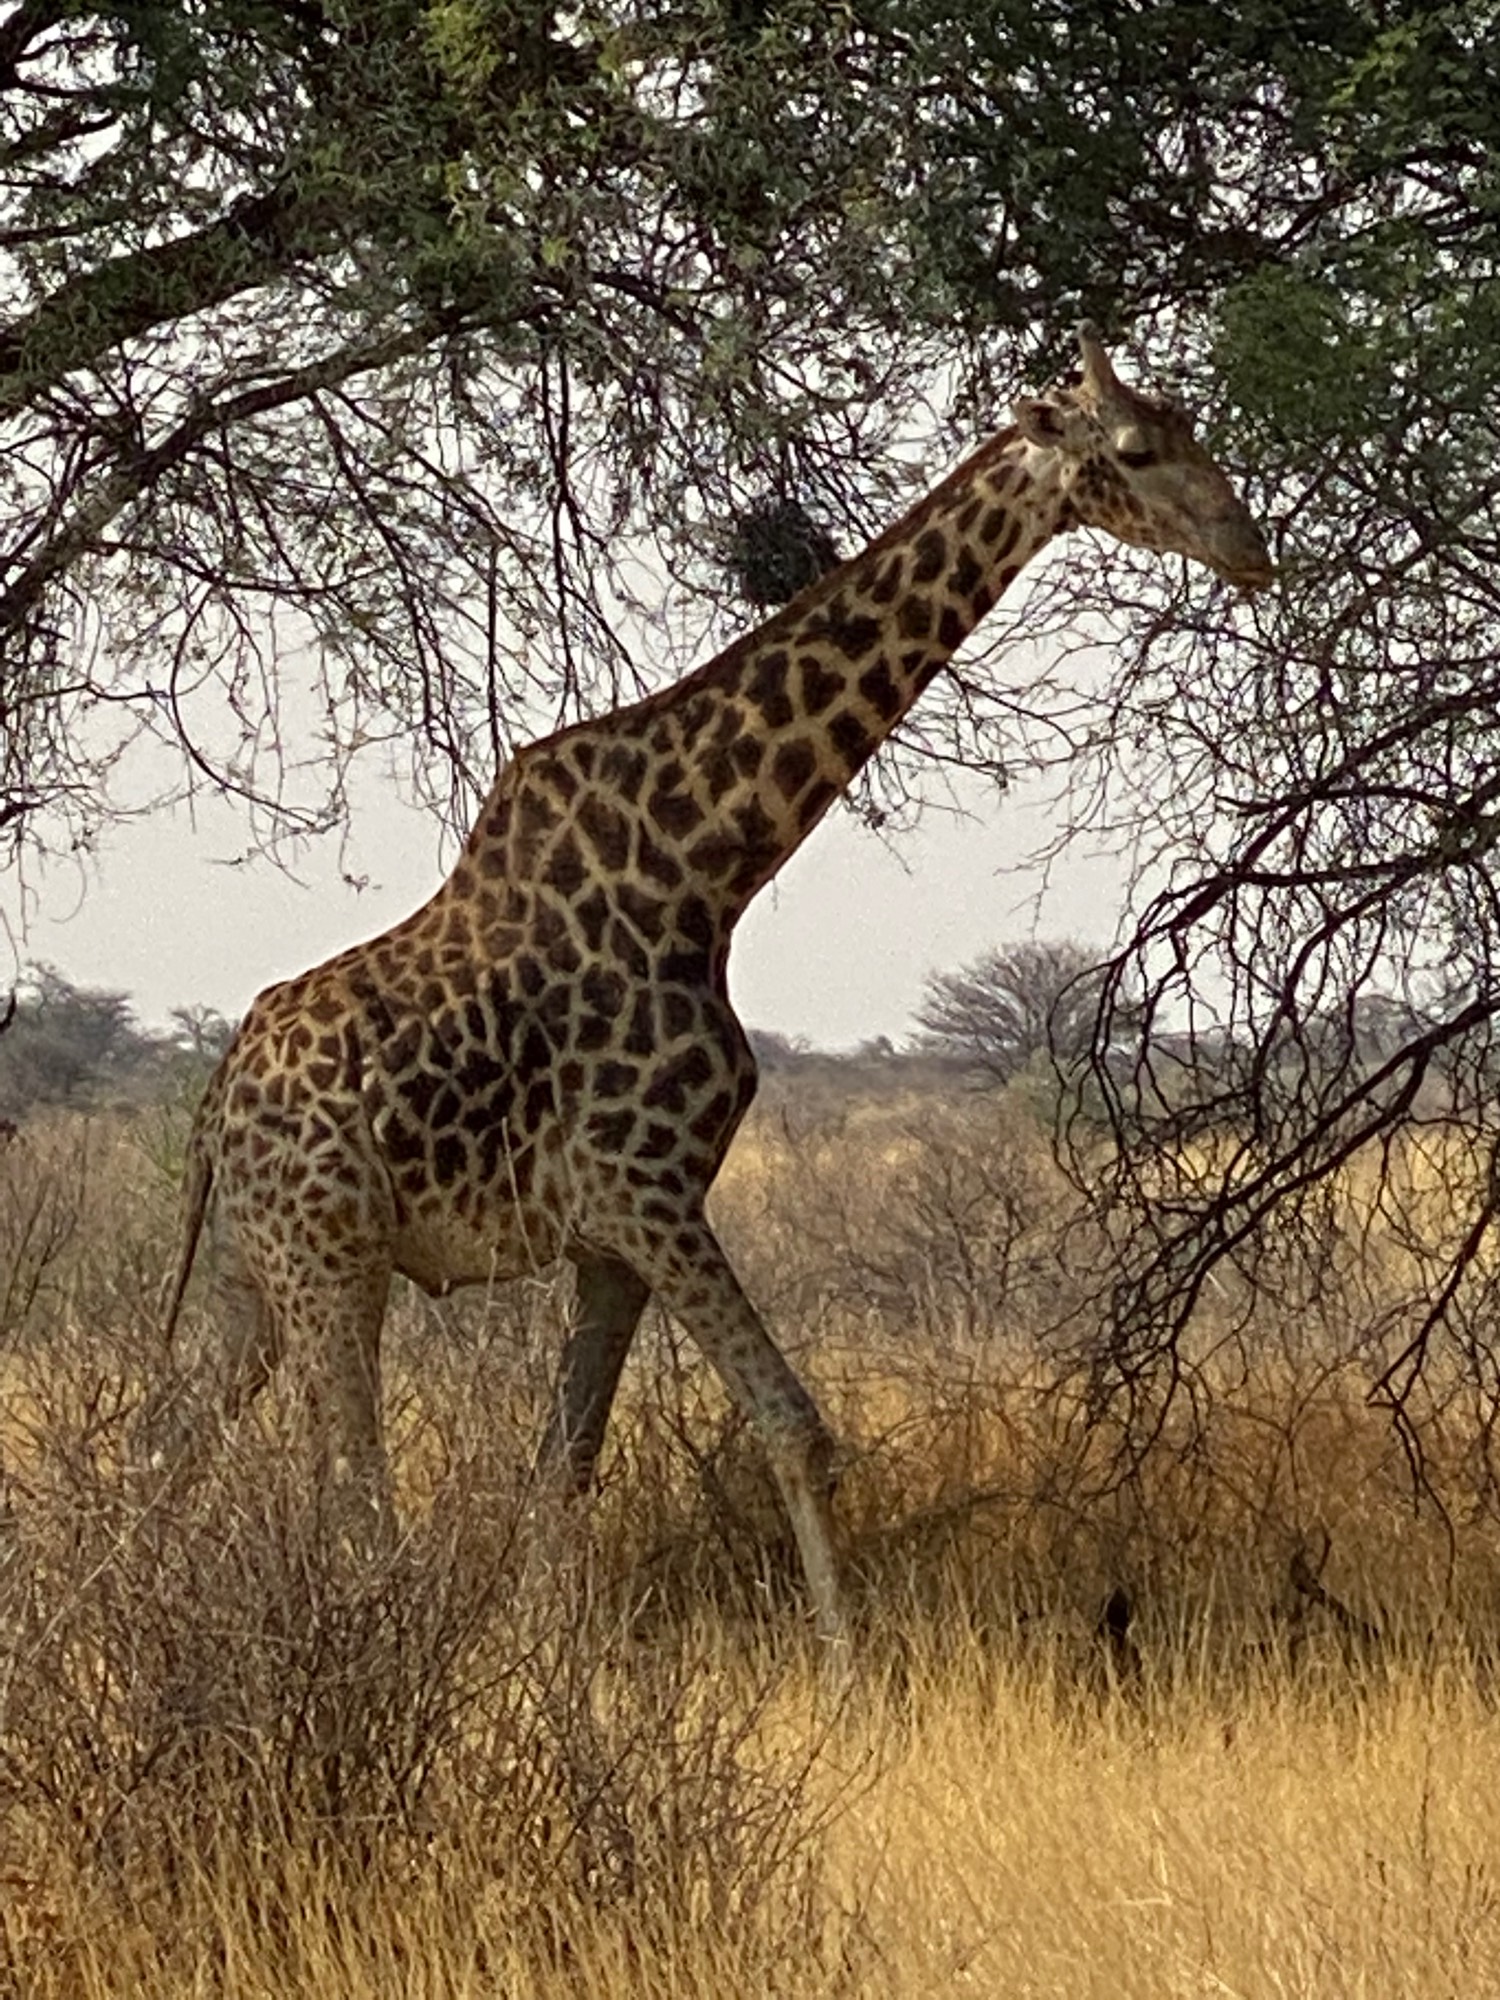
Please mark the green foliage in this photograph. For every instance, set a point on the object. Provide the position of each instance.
(403, 332)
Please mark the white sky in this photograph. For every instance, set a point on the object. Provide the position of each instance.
(836, 950)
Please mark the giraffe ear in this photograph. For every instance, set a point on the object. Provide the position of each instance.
(1043, 420)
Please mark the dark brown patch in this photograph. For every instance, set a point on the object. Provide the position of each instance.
(718, 772)
(854, 636)
(1002, 529)
(402, 1143)
(611, 1131)
(953, 628)
(687, 967)
(555, 1011)
(931, 555)
(914, 619)
(792, 766)
(536, 813)
(820, 684)
(479, 1071)
(563, 782)
(659, 1143)
(607, 830)
(626, 949)
(965, 574)
(496, 824)
(678, 1014)
(748, 755)
(817, 802)
(595, 1032)
(616, 1079)
(640, 1036)
(536, 1053)
(669, 1088)
(714, 1116)
(541, 1103)
(695, 920)
(593, 913)
(694, 714)
(758, 832)
(602, 991)
(417, 1093)
(851, 739)
(449, 1158)
(889, 581)
(765, 685)
(655, 862)
(676, 813)
(714, 855)
(880, 690)
(565, 869)
(623, 766)
(647, 913)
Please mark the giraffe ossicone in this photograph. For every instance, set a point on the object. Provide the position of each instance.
(542, 1062)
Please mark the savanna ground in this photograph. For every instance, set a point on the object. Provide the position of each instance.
(1220, 1720)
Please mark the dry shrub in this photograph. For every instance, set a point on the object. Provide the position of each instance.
(209, 1701)
(582, 1754)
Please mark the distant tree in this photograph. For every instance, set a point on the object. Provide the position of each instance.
(68, 1043)
(775, 1051)
(1018, 1001)
(202, 1032)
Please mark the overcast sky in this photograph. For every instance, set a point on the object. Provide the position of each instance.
(836, 950)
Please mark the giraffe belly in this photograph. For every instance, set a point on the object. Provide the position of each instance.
(440, 1249)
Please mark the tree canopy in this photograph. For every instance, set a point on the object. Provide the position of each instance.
(432, 343)
(1018, 1003)
(398, 336)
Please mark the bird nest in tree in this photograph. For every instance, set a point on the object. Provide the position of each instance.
(775, 550)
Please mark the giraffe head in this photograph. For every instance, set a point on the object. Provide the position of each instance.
(1130, 464)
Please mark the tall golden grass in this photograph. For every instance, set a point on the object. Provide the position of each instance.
(1221, 1721)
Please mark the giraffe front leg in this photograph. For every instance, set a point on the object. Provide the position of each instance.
(693, 1279)
(607, 1309)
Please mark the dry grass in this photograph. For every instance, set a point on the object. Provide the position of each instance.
(593, 1756)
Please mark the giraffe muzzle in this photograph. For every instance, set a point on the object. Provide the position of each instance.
(1238, 552)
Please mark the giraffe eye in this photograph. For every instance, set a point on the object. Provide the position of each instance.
(1137, 456)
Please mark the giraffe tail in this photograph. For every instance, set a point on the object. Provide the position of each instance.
(196, 1188)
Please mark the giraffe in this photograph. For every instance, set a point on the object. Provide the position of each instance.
(542, 1062)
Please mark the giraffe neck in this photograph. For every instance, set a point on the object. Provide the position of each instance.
(707, 787)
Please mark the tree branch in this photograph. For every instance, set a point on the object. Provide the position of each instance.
(258, 238)
(141, 471)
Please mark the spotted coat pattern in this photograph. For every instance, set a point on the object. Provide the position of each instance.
(543, 1062)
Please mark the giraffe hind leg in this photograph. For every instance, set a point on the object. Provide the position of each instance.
(607, 1310)
(244, 1351)
(333, 1326)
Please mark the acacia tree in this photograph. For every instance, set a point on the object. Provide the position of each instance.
(1016, 1002)
(419, 341)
